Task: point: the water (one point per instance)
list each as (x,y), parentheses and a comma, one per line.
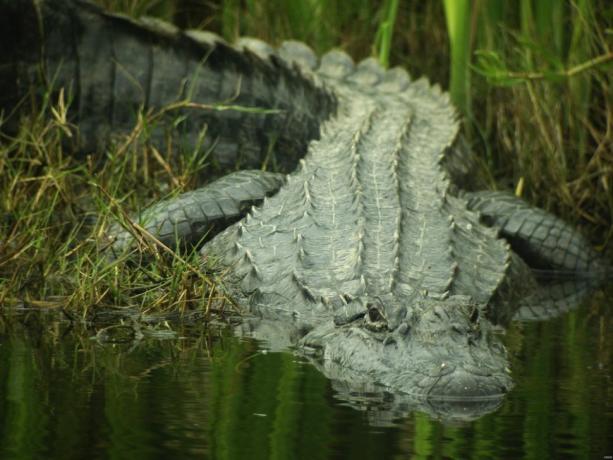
(66,396)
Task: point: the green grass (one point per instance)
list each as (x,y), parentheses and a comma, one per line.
(457,13)
(383,39)
(56,209)
(532,79)
(548,77)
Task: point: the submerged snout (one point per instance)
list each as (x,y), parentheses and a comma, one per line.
(459,383)
(447,360)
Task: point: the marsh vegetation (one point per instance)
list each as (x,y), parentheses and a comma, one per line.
(530,79)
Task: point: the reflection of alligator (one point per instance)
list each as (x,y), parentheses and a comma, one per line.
(366,256)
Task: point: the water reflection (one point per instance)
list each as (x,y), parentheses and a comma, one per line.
(63,395)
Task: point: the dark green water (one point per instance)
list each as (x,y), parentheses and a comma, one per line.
(64,396)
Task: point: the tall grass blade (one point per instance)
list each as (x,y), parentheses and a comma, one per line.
(230,20)
(526,23)
(580,88)
(383,41)
(457,14)
(549,25)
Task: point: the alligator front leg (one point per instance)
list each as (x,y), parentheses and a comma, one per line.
(543,240)
(193,217)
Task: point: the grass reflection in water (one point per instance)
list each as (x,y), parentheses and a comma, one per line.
(64,395)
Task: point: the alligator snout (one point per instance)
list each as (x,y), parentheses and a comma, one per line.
(464,384)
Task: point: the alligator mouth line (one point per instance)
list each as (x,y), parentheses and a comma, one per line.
(452,398)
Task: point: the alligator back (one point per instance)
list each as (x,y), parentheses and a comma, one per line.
(112,68)
(371,212)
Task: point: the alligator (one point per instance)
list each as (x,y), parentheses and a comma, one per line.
(363,251)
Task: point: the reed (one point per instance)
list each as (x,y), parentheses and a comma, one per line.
(547,76)
(383,39)
(457,14)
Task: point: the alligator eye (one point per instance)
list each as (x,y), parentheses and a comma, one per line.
(474,316)
(374,315)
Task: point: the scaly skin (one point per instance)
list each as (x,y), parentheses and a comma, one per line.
(365,258)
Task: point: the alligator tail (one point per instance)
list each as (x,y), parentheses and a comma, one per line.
(112,68)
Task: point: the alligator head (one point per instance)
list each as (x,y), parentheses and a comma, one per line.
(445,352)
